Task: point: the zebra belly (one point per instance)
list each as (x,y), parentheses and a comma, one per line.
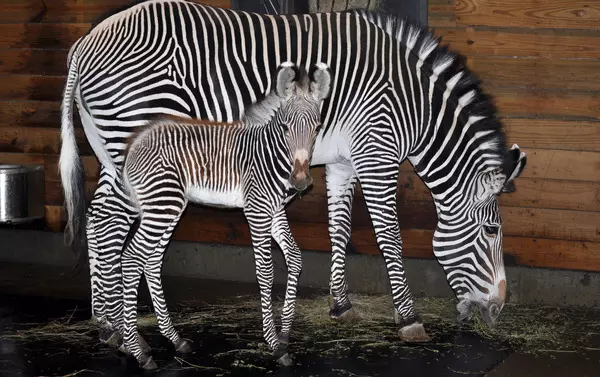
(223,199)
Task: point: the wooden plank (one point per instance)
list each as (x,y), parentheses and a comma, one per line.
(551,223)
(44,36)
(526,73)
(537,73)
(67,11)
(232,229)
(549,44)
(32,114)
(575,14)
(517,102)
(31,88)
(531,192)
(38,140)
(511,102)
(441,13)
(553,134)
(558,164)
(33,62)
(50,163)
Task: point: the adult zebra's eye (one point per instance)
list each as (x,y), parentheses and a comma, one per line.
(285,127)
(491,230)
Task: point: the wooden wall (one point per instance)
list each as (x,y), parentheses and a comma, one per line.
(540,60)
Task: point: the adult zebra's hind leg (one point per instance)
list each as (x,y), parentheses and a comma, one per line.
(109,222)
(293,259)
(379,182)
(98,265)
(340,181)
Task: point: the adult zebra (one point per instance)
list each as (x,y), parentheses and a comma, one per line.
(396,94)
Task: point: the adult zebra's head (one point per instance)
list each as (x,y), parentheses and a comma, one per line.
(468,238)
(299,117)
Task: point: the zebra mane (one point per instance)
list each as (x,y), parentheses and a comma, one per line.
(448,66)
(262,111)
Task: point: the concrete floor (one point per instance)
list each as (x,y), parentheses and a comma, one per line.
(228,341)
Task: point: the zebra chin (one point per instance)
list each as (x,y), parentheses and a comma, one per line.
(489,308)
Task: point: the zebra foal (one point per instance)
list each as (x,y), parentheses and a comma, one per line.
(251,164)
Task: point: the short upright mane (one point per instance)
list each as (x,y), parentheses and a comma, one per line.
(262,111)
(446,65)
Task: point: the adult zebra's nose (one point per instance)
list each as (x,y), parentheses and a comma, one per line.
(491,311)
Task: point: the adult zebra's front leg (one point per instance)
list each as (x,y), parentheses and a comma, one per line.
(293,259)
(340,179)
(260,222)
(379,179)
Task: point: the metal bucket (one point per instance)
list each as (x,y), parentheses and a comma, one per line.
(21,193)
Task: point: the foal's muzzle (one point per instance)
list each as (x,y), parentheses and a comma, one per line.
(300,178)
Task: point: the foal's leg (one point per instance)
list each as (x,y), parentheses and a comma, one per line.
(144,254)
(293,260)
(379,183)
(260,223)
(340,180)
(152,272)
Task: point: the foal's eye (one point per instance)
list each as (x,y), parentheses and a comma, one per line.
(491,230)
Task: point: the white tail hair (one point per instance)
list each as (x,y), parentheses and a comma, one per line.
(72,174)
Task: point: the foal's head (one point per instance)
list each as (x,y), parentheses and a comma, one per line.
(299,114)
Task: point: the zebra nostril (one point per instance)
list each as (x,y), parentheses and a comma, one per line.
(494,311)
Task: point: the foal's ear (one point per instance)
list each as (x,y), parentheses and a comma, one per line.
(516,162)
(285,78)
(320,81)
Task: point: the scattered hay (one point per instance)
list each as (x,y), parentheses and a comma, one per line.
(529,329)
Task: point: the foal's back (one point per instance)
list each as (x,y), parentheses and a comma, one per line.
(206,160)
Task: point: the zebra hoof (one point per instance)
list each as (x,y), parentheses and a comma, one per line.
(123,349)
(414,333)
(344,314)
(183,346)
(110,337)
(285,360)
(284,338)
(143,344)
(147,363)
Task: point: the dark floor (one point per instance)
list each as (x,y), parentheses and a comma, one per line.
(43,332)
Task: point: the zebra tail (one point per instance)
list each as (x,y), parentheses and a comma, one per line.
(72,173)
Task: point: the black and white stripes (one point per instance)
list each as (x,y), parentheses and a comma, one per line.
(252,165)
(396,93)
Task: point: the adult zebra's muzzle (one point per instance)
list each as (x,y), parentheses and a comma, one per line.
(489,309)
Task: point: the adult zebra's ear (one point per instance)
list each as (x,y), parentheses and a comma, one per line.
(320,81)
(516,162)
(285,78)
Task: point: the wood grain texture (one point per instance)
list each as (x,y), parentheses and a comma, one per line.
(508,42)
(67,11)
(511,102)
(232,228)
(495,72)
(33,62)
(38,140)
(32,114)
(518,102)
(574,14)
(538,73)
(553,134)
(42,36)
